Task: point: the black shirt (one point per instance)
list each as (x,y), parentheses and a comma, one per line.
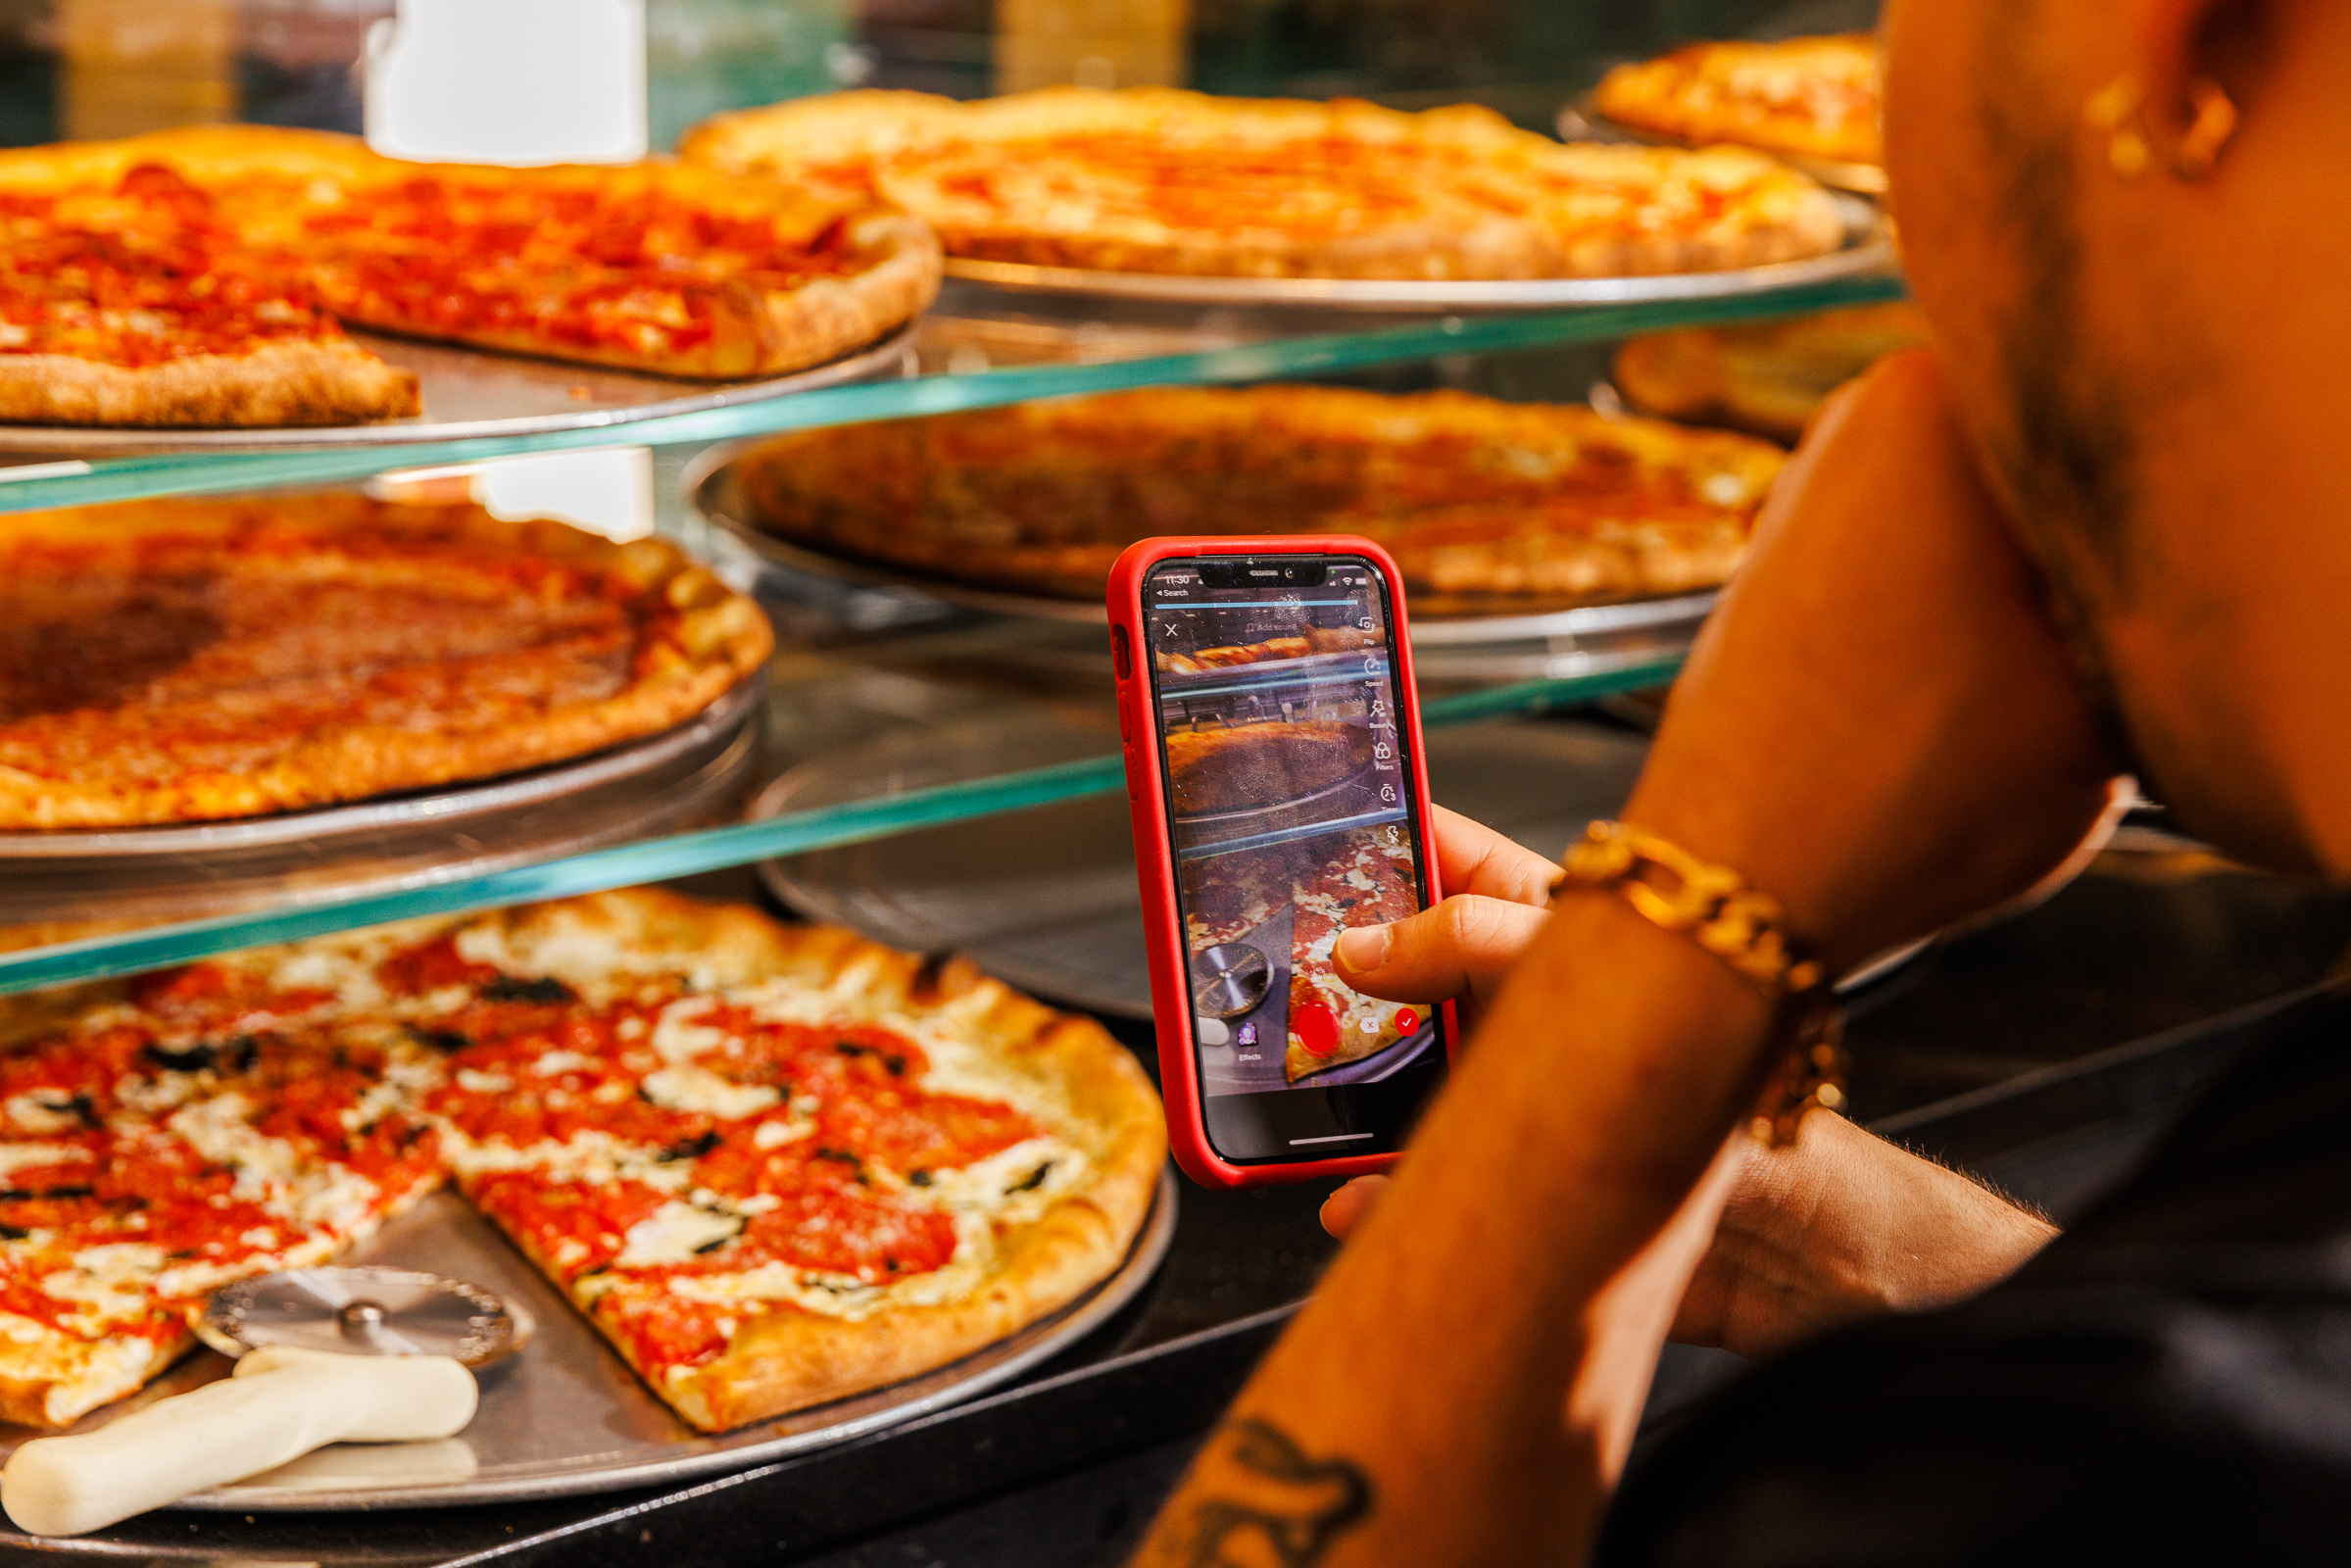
(2167,1381)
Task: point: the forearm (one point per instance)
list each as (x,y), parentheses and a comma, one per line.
(1479,1354)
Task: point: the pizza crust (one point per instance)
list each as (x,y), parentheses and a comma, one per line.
(53,1379)
(1765,376)
(300,383)
(718,639)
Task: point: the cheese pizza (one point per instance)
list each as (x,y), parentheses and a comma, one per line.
(1481,502)
(773,1165)
(197,276)
(1813,97)
(1152,179)
(1260,765)
(131,304)
(176,661)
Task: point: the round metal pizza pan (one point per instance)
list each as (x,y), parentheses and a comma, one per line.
(695,772)
(472,393)
(1492,642)
(1582,121)
(566,1417)
(1868,248)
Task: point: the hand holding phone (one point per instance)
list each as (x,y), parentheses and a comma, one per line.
(1275,773)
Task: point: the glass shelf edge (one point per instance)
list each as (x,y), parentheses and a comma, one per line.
(714,849)
(196,473)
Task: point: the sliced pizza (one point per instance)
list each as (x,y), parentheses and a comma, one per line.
(773,1165)
(197,1127)
(197,276)
(131,303)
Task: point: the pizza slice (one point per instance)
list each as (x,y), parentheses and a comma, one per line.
(776,1165)
(220,242)
(204,1126)
(132,304)
(1364,881)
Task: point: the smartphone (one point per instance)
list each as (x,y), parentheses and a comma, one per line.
(1274,769)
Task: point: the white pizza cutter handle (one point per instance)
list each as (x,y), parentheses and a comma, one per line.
(280,1404)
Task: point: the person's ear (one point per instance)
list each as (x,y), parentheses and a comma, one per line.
(2195,69)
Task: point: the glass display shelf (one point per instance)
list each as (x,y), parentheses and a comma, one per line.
(715,849)
(1075,360)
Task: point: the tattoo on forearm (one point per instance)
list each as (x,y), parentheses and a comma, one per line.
(1285,1509)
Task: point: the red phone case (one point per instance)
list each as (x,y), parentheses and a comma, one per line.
(1155,854)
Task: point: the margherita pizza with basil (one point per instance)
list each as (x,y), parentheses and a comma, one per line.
(179,662)
(1150,179)
(202,276)
(775,1165)
(1483,503)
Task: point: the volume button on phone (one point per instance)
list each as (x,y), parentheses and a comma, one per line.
(1134,786)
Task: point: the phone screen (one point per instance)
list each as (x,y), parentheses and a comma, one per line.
(1291,813)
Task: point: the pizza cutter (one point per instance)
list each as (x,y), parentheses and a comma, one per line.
(323,1356)
(1228,980)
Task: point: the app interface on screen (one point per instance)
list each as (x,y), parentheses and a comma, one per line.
(1292,818)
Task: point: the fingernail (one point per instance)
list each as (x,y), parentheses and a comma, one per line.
(1364,947)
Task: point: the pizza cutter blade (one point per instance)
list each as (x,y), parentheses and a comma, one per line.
(1228,980)
(365,1311)
(323,1356)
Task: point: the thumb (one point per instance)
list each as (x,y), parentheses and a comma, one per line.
(1460,949)
(1344,1209)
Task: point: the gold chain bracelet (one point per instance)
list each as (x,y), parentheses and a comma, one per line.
(1745,928)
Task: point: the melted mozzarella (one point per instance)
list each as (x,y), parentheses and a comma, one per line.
(697,1089)
(674,1233)
(15,1157)
(586,1157)
(110,1282)
(40,1112)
